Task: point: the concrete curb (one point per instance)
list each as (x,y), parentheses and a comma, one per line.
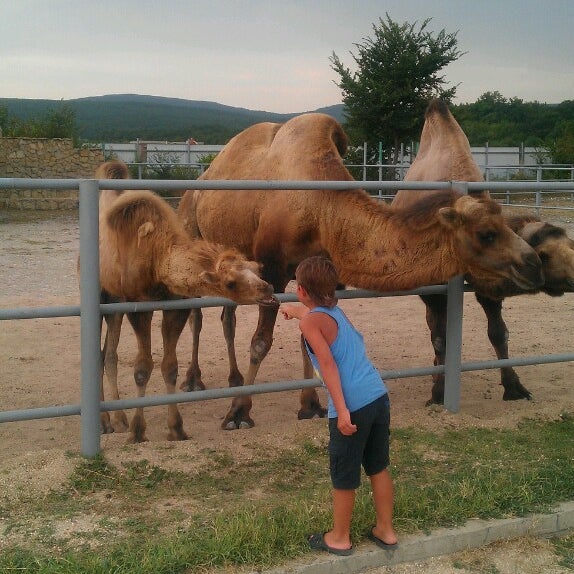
(440,542)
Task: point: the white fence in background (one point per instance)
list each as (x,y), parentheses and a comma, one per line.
(495,162)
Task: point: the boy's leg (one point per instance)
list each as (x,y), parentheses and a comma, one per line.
(383,498)
(340,535)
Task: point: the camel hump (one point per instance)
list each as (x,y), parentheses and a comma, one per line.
(132,210)
(187,212)
(319,127)
(437,106)
(340,139)
(113,169)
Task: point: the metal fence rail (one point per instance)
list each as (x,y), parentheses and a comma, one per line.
(90,309)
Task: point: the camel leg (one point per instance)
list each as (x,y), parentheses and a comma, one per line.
(310,403)
(105,423)
(229,323)
(171,327)
(238,415)
(119,420)
(436,321)
(143,366)
(193,380)
(498,336)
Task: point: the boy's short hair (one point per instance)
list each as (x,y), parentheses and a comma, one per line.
(318,276)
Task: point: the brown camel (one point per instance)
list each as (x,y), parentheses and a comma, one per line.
(372,245)
(445,155)
(146,254)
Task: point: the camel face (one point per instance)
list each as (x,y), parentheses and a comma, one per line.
(556,251)
(489,249)
(239,280)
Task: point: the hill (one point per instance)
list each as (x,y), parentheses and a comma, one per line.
(127,117)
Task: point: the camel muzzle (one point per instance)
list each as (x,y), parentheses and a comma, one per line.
(528,276)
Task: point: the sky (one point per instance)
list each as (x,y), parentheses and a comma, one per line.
(271,55)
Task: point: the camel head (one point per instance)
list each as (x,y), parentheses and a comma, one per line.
(488,248)
(556,251)
(238,279)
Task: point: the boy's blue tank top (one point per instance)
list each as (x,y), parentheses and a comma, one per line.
(360,380)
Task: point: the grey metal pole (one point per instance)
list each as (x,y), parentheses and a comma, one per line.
(90,317)
(454,314)
(453,356)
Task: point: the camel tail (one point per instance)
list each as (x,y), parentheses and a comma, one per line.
(114,169)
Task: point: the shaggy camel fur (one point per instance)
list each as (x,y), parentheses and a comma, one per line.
(146,254)
(445,155)
(372,245)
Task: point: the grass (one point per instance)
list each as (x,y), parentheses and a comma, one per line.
(140,518)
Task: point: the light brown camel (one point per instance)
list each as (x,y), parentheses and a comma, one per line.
(445,155)
(372,245)
(146,254)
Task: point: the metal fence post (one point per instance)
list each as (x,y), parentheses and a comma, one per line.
(453,355)
(90,317)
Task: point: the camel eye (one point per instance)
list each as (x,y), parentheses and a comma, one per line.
(486,238)
(231,285)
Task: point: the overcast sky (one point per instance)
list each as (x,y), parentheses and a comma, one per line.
(269,55)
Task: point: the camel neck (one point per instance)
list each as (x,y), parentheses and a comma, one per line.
(376,247)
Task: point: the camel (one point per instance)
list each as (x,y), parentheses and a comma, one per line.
(372,245)
(146,254)
(445,155)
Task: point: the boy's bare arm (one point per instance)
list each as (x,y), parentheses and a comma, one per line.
(293,311)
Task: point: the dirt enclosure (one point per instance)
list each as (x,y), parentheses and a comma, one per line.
(40,361)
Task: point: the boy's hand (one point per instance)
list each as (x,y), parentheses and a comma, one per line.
(344,423)
(293,311)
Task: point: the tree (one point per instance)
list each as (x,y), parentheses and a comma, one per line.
(60,123)
(57,122)
(397,75)
(562,150)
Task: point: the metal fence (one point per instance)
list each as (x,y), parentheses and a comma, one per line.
(90,309)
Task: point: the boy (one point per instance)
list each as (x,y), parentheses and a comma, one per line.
(358,411)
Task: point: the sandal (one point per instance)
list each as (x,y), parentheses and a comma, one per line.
(317,542)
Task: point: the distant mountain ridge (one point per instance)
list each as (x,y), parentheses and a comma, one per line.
(127,117)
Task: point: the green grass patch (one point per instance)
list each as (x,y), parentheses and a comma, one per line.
(141,518)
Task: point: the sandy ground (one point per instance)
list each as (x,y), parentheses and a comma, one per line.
(40,361)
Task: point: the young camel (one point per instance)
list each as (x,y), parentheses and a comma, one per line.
(372,245)
(146,254)
(445,155)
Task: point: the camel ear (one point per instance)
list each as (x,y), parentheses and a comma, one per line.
(449,217)
(145,229)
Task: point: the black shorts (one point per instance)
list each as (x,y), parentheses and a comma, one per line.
(369,446)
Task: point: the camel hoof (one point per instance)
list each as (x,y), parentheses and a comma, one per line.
(192,384)
(432,402)
(177,435)
(316,412)
(120,423)
(106,429)
(132,439)
(517,395)
(187,388)
(238,424)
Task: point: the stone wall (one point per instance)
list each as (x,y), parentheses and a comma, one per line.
(41,158)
